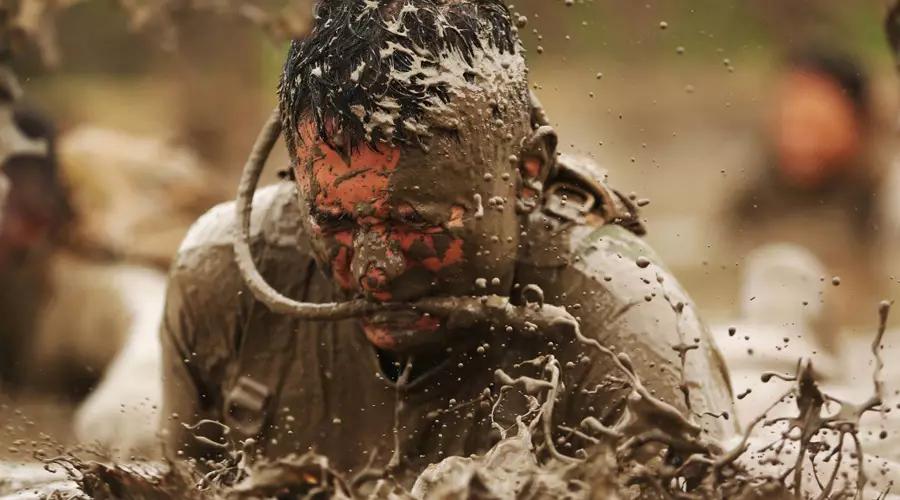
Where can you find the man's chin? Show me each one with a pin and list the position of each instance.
(400, 330)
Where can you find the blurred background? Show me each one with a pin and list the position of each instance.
(671, 96)
(681, 100)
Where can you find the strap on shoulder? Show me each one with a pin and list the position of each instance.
(256, 380)
(579, 187)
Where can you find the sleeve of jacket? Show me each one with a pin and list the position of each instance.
(633, 309)
(197, 335)
(625, 298)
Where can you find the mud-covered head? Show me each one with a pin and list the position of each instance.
(409, 125)
(36, 209)
(821, 116)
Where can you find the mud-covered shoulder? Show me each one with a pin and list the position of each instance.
(206, 295)
(274, 219)
(626, 298)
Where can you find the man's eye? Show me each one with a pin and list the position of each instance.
(410, 216)
(331, 221)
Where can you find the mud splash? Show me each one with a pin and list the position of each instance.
(623, 461)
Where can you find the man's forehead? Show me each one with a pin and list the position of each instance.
(372, 177)
(314, 152)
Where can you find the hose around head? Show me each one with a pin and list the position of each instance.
(264, 292)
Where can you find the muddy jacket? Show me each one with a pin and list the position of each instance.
(300, 385)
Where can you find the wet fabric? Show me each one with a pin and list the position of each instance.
(331, 390)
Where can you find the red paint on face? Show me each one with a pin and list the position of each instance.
(371, 238)
(384, 336)
(453, 255)
(346, 186)
(456, 216)
(341, 267)
(533, 167)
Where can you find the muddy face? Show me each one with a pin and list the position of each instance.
(401, 224)
(815, 127)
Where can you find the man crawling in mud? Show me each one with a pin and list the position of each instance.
(421, 169)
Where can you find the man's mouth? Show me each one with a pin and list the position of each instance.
(405, 320)
(391, 329)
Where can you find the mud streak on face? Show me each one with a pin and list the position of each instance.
(374, 239)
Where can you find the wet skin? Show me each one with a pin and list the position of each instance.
(402, 224)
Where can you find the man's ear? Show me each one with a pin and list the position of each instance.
(537, 160)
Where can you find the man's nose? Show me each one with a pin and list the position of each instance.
(375, 263)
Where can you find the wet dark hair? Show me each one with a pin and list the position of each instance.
(342, 73)
(841, 67)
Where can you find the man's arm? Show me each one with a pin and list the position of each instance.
(197, 337)
(183, 389)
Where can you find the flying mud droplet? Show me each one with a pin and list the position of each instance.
(642, 262)
(836, 281)
(481, 283)
(731, 331)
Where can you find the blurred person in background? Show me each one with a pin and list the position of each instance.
(88, 228)
(36, 215)
(139, 196)
(821, 177)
